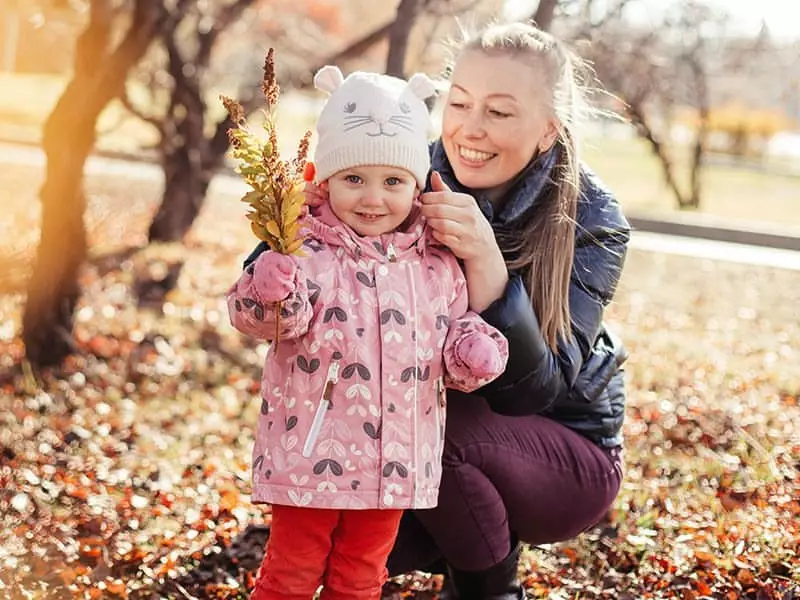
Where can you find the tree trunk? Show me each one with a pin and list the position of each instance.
(189, 158)
(407, 13)
(637, 116)
(68, 138)
(185, 187)
(543, 17)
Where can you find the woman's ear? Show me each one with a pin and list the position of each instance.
(549, 137)
(328, 79)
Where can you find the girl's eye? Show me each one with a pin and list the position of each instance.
(354, 179)
(393, 181)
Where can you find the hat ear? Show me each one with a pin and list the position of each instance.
(422, 86)
(328, 79)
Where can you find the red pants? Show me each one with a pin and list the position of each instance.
(343, 550)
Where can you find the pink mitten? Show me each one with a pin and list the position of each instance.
(274, 277)
(481, 355)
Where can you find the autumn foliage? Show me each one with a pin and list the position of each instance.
(124, 473)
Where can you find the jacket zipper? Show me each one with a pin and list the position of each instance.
(391, 254)
(324, 403)
(441, 403)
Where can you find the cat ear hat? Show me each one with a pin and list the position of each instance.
(373, 119)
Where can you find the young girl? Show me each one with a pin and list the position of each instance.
(373, 325)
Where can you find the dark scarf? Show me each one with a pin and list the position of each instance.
(521, 196)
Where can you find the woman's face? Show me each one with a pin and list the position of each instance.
(496, 117)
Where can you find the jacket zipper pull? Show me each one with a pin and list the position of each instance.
(440, 391)
(324, 403)
(390, 253)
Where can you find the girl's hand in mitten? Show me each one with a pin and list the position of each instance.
(274, 276)
(480, 354)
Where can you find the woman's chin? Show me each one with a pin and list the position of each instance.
(476, 177)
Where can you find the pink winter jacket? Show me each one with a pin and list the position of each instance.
(353, 409)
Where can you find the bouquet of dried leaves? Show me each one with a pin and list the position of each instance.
(276, 198)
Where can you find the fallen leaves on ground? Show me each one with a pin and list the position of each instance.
(125, 472)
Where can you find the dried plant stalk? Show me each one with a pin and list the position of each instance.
(276, 196)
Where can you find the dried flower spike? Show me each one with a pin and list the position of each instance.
(276, 197)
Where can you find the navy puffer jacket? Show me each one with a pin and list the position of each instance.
(582, 385)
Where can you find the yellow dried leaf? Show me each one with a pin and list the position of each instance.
(272, 228)
(294, 246)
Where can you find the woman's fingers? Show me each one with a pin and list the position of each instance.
(448, 198)
(315, 194)
(437, 183)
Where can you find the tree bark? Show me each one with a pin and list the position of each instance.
(407, 12)
(68, 138)
(189, 157)
(543, 17)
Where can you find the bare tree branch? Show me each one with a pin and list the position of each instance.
(543, 17)
(129, 105)
(227, 15)
(407, 13)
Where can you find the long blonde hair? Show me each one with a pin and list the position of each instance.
(545, 248)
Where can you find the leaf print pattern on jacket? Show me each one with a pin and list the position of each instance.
(353, 410)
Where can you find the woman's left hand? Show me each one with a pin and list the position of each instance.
(457, 222)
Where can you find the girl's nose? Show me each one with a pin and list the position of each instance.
(370, 199)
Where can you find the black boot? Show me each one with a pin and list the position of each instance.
(499, 582)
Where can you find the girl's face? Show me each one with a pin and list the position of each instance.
(372, 200)
(496, 117)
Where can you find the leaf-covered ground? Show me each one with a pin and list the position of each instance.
(125, 472)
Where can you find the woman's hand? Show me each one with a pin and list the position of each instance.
(458, 223)
(316, 194)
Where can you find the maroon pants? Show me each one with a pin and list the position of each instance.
(506, 479)
(344, 550)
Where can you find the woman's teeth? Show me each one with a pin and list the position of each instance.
(474, 155)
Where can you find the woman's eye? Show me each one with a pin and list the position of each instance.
(458, 105)
(499, 114)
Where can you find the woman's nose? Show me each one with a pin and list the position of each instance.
(473, 124)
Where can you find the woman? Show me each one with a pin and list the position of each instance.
(535, 455)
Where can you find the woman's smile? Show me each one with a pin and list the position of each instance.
(471, 156)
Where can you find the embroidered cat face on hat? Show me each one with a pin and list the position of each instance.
(373, 119)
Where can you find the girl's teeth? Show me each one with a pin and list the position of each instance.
(475, 155)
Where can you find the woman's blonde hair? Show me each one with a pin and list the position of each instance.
(544, 248)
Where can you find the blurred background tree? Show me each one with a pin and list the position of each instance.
(114, 40)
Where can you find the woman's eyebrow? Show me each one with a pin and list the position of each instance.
(499, 95)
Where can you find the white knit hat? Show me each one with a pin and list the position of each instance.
(372, 119)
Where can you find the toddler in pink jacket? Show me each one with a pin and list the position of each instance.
(373, 326)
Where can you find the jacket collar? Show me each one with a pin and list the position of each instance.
(326, 227)
(521, 195)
